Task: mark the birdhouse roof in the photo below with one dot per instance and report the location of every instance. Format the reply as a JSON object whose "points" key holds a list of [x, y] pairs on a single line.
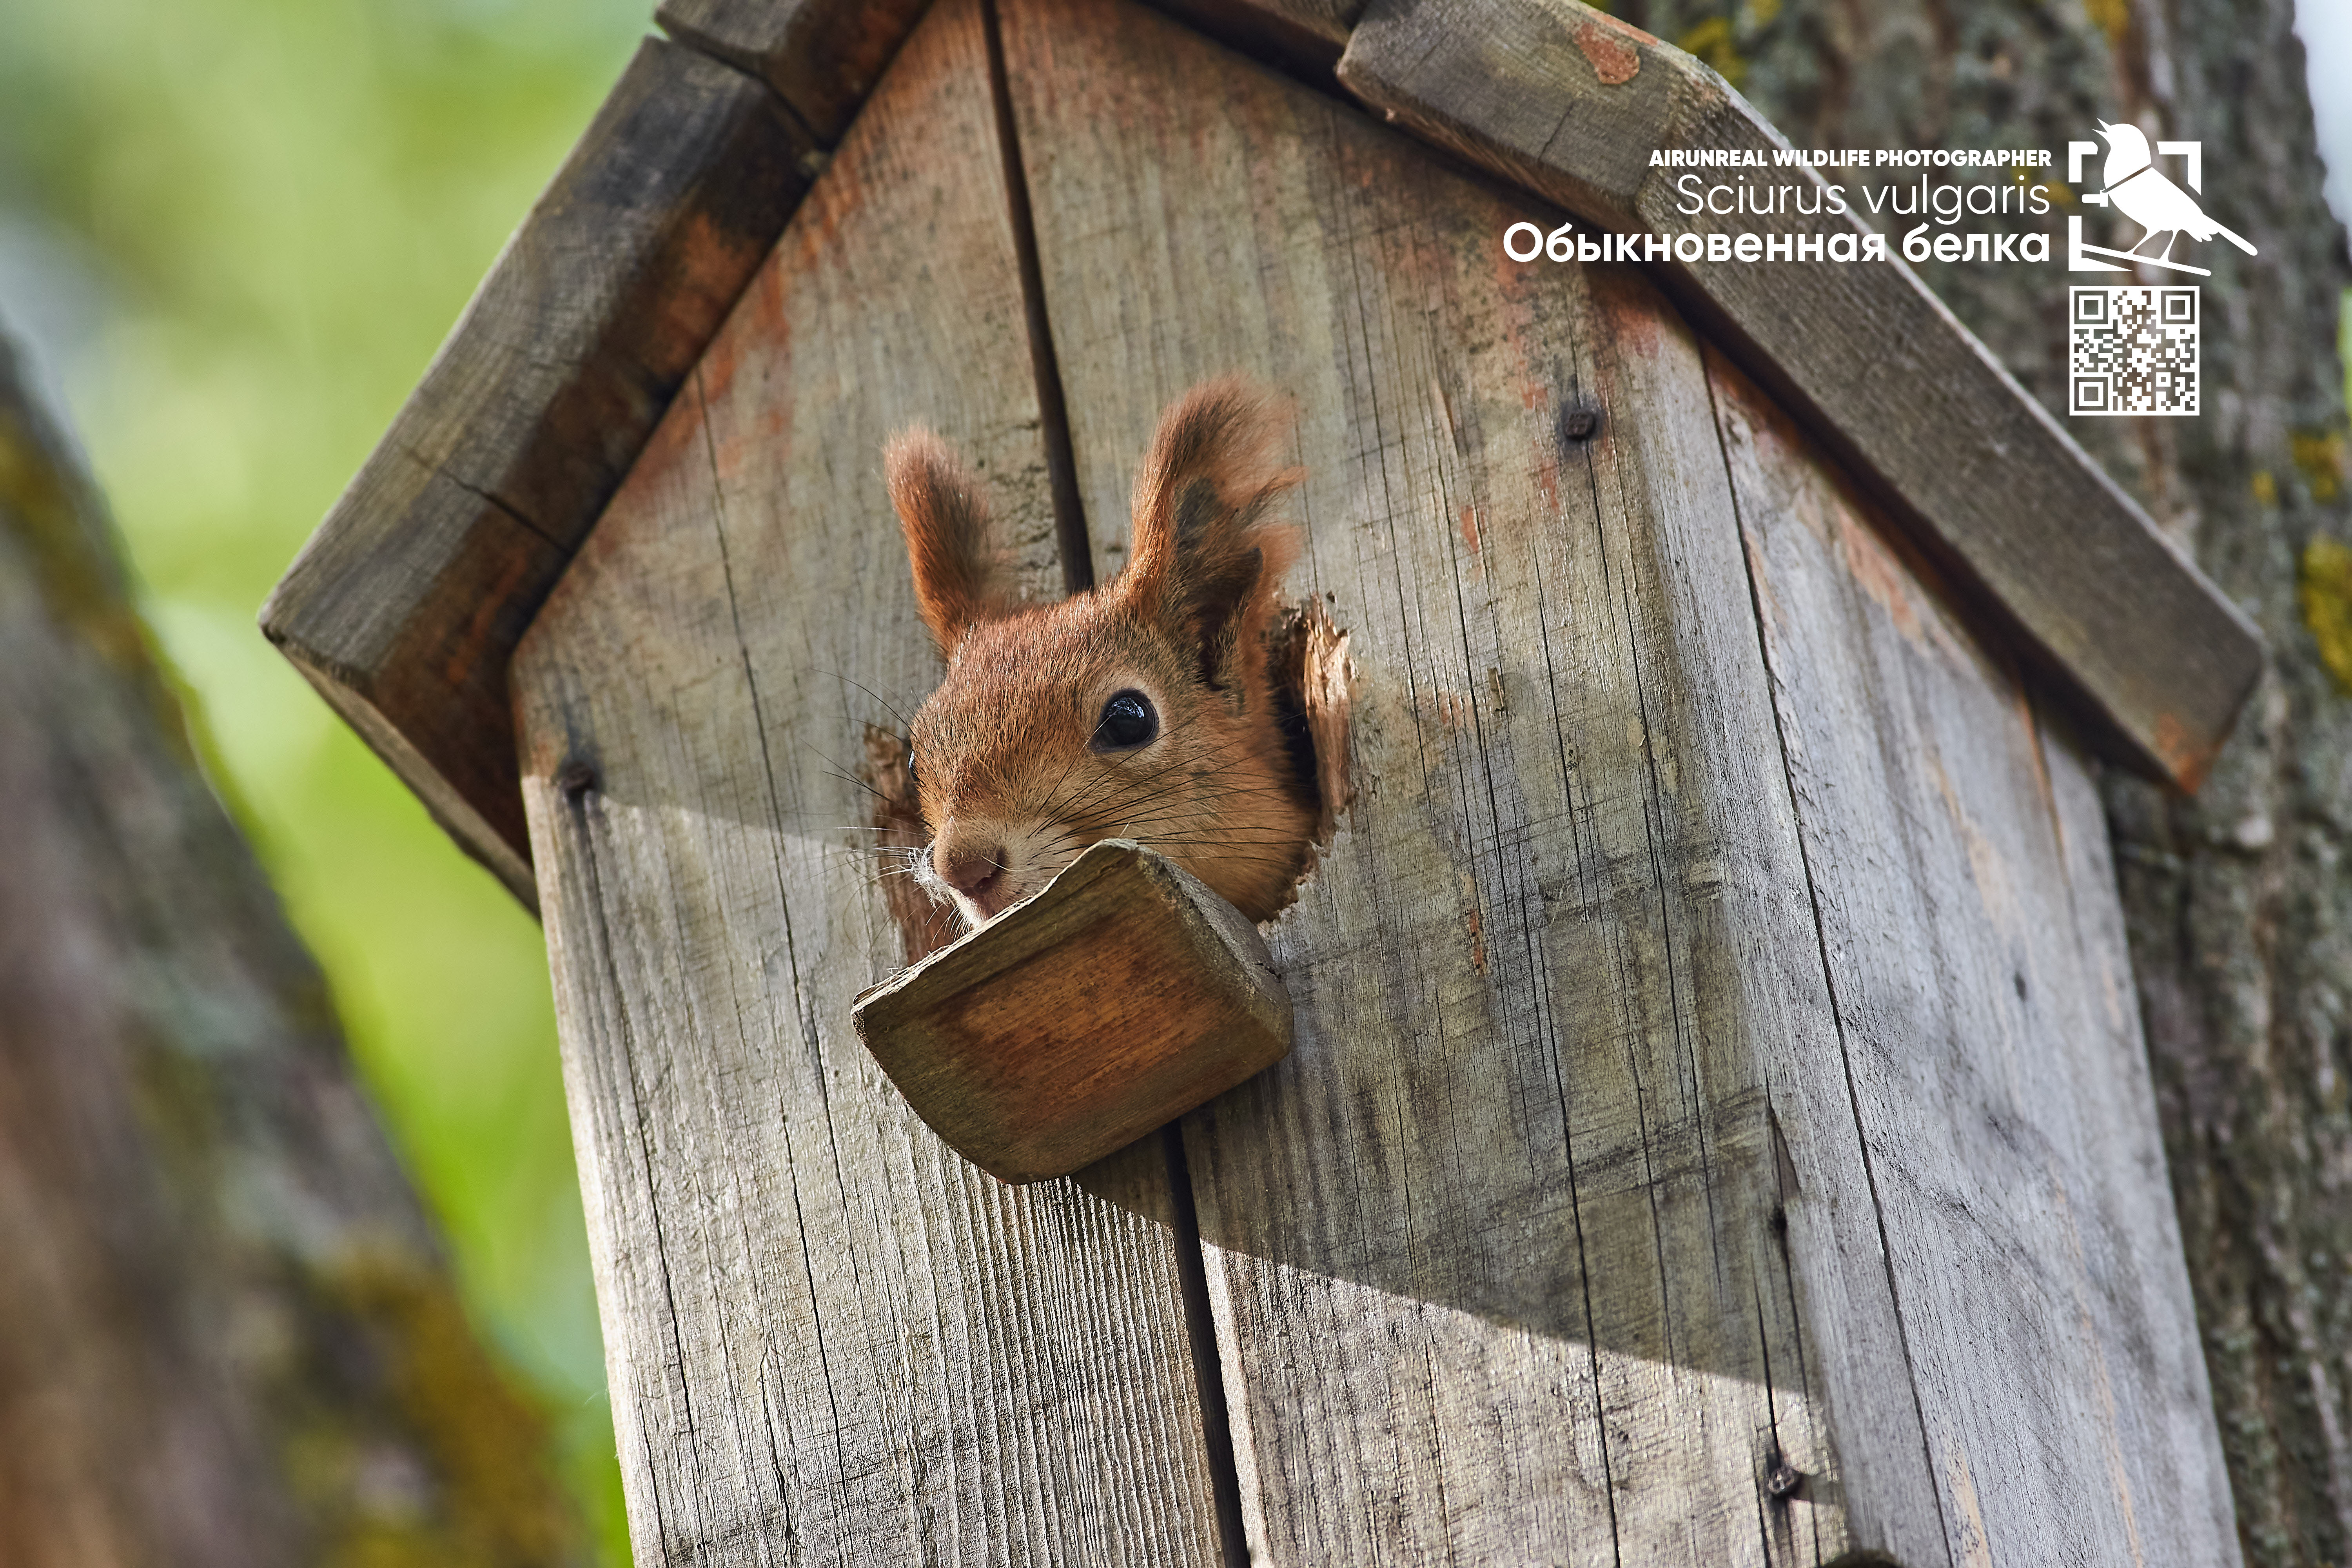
{"points": [[406, 606]]}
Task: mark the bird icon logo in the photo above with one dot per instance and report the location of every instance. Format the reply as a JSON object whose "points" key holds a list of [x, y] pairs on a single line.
{"points": [[2134, 186]]}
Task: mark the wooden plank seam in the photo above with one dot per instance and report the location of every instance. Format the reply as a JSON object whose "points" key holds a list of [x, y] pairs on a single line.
{"points": [[831, 1337], [1073, 540]]}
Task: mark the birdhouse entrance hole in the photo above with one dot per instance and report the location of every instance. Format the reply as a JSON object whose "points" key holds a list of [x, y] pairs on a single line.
{"points": [[1314, 683]]}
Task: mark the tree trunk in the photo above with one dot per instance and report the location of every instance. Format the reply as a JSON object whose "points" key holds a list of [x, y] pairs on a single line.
{"points": [[2239, 902], [226, 1335]]}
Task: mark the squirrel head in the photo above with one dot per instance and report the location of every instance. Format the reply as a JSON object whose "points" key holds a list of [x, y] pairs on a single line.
{"points": [[1143, 709]]}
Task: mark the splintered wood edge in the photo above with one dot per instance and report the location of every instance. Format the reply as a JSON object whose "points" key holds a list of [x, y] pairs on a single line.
{"points": [[1568, 103]]}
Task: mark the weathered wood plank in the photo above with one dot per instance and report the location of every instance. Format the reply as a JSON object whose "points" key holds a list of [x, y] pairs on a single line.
{"points": [[1968, 913], [2177, 1426], [1494, 1254], [1569, 103], [831, 1339], [406, 604], [823, 57]]}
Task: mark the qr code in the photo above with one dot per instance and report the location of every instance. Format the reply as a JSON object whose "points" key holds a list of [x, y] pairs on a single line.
{"points": [[2132, 350]]}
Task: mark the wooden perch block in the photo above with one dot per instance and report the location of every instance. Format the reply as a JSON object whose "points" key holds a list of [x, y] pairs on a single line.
{"points": [[1117, 999]]}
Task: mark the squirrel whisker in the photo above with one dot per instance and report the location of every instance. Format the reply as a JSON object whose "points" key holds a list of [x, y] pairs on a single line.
{"points": [[1143, 708]]}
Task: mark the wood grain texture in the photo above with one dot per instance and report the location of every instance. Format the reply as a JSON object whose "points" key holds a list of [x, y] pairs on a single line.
{"points": [[1569, 103], [1496, 1255], [1124, 995], [1968, 911], [1302, 35], [830, 1338], [405, 605], [823, 57]]}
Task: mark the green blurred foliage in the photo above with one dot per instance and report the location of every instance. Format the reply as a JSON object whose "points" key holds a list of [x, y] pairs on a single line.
{"points": [[280, 207]]}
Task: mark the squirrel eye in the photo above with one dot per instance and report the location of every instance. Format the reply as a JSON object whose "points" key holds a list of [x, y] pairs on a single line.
{"points": [[1128, 721]]}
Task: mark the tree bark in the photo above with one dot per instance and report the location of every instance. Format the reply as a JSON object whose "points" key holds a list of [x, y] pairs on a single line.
{"points": [[227, 1334], [2239, 902]]}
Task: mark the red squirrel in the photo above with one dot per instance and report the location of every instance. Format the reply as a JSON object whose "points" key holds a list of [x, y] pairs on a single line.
{"points": [[1141, 709]]}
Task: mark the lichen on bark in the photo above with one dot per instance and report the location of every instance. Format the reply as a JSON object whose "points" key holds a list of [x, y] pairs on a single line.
{"points": [[228, 1337]]}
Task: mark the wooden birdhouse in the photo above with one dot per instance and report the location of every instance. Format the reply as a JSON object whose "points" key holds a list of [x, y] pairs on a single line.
{"points": [[1716, 1128]]}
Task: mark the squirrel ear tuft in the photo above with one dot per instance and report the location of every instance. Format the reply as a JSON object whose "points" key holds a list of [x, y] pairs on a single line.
{"points": [[1208, 554], [958, 578]]}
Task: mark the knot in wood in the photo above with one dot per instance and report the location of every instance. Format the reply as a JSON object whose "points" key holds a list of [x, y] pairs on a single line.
{"points": [[575, 779]]}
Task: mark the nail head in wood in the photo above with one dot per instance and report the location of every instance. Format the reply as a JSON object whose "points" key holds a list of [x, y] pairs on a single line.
{"points": [[1121, 997]]}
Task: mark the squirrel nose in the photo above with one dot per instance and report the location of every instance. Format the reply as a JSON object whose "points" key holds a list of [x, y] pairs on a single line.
{"points": [[967, 867]]}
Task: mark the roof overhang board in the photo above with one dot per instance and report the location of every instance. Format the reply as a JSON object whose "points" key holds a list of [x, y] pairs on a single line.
{"points": [[1569, 103], [404, 607]]}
